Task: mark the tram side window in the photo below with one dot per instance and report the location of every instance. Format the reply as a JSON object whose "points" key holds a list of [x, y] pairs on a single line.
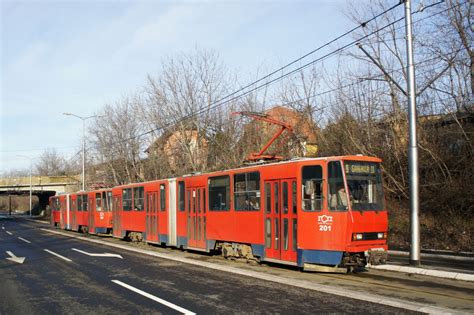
{"points": [[85, 203], [127, 199], [219, 193], [105, 205], [162, 197], [138, 200], [79, 203], [82, 203], [337, 200], [247, 191], [109, 201], [98, 202], [312, 188], [181, 191]]}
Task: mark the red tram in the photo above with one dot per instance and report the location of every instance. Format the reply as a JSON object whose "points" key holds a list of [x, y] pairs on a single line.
{"points": [[83, 211], [321, 214]]}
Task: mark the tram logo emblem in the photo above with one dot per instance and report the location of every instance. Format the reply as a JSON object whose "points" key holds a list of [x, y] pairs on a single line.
{"points": [[325, 219]]}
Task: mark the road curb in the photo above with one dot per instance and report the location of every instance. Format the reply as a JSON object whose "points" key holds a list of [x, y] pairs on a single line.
{"points": [[428, 255], [426, 272], [413, 306]]}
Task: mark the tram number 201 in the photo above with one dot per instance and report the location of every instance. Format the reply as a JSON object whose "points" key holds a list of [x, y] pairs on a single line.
{"points": [[325, 228]]}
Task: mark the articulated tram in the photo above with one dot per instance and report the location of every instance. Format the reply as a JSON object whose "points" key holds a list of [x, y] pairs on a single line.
{"points": [[321, 214]]}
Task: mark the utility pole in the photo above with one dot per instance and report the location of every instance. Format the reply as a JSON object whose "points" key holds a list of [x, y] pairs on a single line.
{"points": [[83, 144], [412, 146], [31, 181]]}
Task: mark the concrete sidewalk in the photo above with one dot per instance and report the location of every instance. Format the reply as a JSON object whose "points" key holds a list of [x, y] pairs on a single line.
{"points": [[426, 272]]}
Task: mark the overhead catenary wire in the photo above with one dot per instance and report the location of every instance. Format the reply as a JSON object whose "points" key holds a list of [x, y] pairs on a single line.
{"points": [[226, 100], [375, 77]]}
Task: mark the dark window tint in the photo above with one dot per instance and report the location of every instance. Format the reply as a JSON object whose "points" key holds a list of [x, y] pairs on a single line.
{"points": [[285, 197], [181, 194], [79, 202], [293, 198], [364, 182], [82, 202], [198, 200], [247, 191], [276, 196], [268, 233], [138, 199], [98, 202], [219, 193], [188, 195], [312, 179], [162, 197], [204, 202], [268, 198], [109, 200], [337, 193], [127, 199], [277, 234]]}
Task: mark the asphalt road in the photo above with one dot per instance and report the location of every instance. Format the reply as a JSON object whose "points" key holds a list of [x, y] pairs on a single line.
{"points": [[135, 283]]}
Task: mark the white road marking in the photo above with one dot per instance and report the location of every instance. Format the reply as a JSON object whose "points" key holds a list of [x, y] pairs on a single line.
{"points": [[374, 298], [57, 255], [12, 257], [26, 241], [154, 298], [9, 233], [98, 255]]}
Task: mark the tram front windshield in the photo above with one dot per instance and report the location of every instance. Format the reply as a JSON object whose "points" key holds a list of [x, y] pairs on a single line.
{"points": [[365, 185]]}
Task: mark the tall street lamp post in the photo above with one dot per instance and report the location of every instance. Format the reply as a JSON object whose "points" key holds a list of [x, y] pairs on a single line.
{"points": [[31, 183], [83, 144]]}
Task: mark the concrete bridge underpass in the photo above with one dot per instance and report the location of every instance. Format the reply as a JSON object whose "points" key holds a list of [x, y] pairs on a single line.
{"points": [[15, 191]]}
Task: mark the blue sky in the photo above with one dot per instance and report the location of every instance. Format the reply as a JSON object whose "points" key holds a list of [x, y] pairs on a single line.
{"points": [[75, 56]]}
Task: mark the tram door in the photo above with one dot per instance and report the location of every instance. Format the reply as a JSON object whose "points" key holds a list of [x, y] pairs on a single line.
{"points": [[92, 210], [116, 211], [152, 217], [62, 210], [280, 220], [196, 217], [74, 213], [66, 212]]}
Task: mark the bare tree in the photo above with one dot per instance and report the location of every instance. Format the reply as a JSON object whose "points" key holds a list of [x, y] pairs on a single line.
{"points": [[369, 112], [117, 143], [51, 163], [181, 106]]}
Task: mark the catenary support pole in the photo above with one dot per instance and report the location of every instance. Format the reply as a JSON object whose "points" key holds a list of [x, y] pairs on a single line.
{"points": [[83, 154], [412, 146], [31, 188]]}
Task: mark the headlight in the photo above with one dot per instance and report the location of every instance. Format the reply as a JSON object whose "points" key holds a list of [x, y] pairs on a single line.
{"points": [[382, 235], [357, 236]]}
